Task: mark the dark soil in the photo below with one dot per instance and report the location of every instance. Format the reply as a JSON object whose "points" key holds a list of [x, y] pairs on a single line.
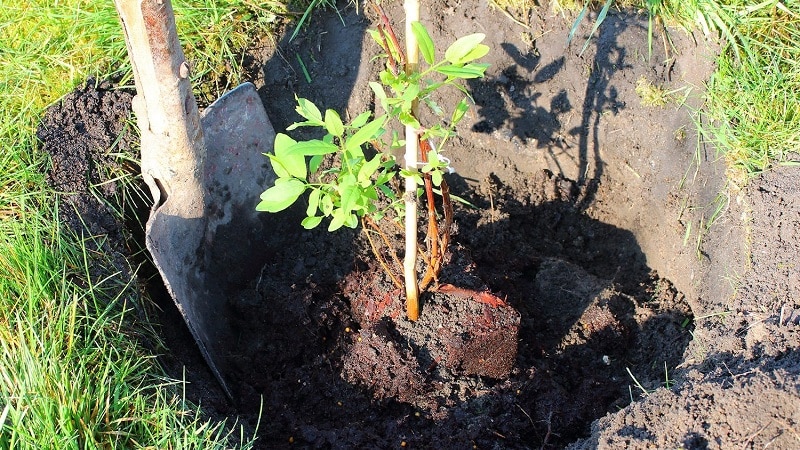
{"points": [[586, 310], [89, 143]]}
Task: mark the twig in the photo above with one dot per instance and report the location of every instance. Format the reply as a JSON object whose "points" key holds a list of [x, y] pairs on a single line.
{"points": [[447, 207], [513, 19], [753, 436], [789, 428], [526, 414], [549, 430]]}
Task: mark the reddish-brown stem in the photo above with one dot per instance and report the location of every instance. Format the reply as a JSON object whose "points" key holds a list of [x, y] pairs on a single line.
{"points": [[432, 238], [389, 58], [387, 27], [447, 207]]}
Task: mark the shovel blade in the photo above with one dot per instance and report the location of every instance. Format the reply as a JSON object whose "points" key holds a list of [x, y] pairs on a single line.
{"points": [[206, 261]]}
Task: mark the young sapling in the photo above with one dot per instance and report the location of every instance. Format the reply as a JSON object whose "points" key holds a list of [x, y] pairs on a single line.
{"points": [[357, 184]]}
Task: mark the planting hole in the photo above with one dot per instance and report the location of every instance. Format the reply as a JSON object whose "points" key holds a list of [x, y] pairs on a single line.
{"points": [[572, 280]]}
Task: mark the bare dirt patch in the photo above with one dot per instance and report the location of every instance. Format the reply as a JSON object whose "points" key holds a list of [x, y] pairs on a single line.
{"points": [[589, 205]]}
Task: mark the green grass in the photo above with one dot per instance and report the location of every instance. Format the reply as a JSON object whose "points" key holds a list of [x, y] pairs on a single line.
{"points": [[74, 374], [73, 370], [753, 99]]}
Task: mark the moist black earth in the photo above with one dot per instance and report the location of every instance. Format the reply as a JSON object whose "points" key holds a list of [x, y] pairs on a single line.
{"points": [[588, 205]]}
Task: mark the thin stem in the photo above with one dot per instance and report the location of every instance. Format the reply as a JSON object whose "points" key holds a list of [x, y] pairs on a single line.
{"points": [[447, 207], [432, 238], [387, 26]]}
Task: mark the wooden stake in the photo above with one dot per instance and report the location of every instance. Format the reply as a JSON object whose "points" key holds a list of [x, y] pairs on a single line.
{"points": [[412, 141]]}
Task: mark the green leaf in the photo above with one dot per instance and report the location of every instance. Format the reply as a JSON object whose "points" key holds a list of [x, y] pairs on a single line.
{"points": [[433, 157], [577, 22], [339, 218], [391, 161], [462, 47], [458, 199], [282, 142], [313, 202], [380, 94], [309, 111], [314, 163], [383, 39], [354, 155], [410, 93], [306, 123], [424, 40], [311, 222], [367, 132], [377, 37], [396, 141], [369, 197], [326, 205], [437, 131], [277, 167], [311, 148], [436, 177], [600, 18], [288, 166], [458, 113], [433, 106], [384, 177], [478, 52], [387, 78], [413, 175], [367, 169], [388, 192], [406, 118], [350, 194], [281, 196], [284, 163], [473, 70], [351, 221], [392, 47], [362, 118], [333, 123]]}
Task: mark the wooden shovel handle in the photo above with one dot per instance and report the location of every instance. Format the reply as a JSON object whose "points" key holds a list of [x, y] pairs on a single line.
{"points": [[166, 110]]}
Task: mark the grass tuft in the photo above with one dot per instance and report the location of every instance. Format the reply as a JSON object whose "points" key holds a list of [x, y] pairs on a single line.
{"points": [[313, 6], [754, 102], [651, 94], [214, 35]]}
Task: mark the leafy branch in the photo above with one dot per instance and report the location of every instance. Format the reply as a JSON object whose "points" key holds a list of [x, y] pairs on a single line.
{"points": [[359, 186]]}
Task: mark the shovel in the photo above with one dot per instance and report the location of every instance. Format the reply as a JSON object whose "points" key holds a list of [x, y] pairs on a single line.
{"points": [[205, 173]]}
